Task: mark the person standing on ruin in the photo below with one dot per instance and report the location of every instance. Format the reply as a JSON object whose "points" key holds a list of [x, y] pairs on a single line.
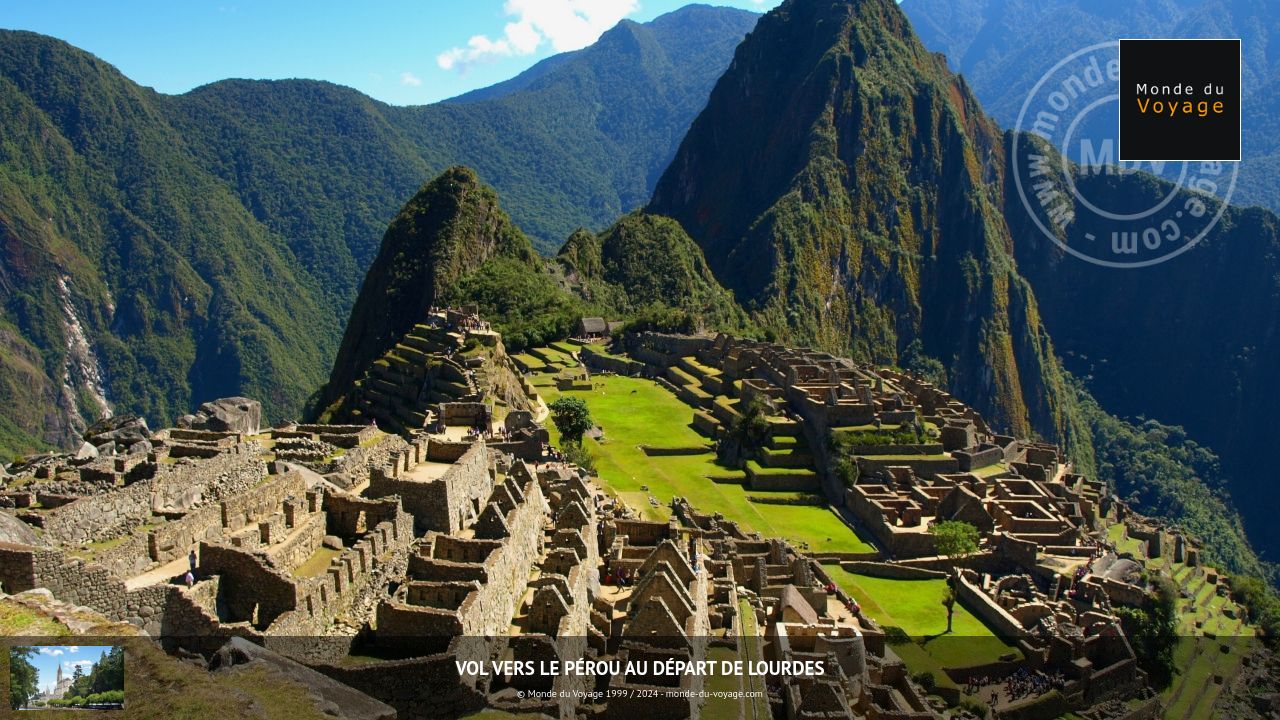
{"points": [[191, 558], [190, 579]]}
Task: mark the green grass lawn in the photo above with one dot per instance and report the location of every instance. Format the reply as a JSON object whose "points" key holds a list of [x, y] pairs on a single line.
{"points": [[634, 412], [532, 363], [1116, 534], [317, 564], [990, 470], [916, 607]]}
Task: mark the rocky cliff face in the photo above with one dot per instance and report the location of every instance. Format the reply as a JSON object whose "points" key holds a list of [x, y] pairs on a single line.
{"points": [[845, 185], [450, 227], [1194, 340]]}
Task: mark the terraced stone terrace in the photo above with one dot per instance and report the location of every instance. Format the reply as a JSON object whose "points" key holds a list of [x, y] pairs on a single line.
{"points": [[635, 412], [1214, 637], [916, 607]]}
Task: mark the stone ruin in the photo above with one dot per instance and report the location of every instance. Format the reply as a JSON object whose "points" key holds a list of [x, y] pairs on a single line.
{"points": [[454, 540]]}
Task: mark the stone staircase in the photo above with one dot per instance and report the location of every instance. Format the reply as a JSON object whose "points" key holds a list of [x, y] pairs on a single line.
{"points": [[422, 370]]}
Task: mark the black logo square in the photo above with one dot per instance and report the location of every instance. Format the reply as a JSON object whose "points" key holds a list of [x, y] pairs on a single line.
{"points": [[1179, 100]]}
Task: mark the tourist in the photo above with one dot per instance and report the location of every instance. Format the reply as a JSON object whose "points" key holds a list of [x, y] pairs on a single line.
{"points": [[191, 558], [189, 579]]}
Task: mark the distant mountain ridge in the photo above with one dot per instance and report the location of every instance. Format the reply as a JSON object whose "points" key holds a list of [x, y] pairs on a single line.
{"points": [[1194, 340], [1002, 47], [161, 250]]}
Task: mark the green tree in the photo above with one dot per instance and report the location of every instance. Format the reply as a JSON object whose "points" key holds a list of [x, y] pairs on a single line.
{"points": [[580, 456], [108, 674], [914, 359], [747, 432], [23, 678], [1153, 631], [955, 540], [572, 418], [79, 682]]}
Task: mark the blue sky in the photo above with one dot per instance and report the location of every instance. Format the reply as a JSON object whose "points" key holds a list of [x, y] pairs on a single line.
{"points": [[402, 51], [49, 657]]}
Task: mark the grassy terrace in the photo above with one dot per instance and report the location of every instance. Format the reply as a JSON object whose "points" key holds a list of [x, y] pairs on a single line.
{"points": [[916, 607], [635, 412], [1211, 643], [991, 470], [317, 564]]}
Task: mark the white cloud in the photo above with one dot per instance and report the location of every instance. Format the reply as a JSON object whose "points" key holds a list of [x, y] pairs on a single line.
{"points": [[71, 664], [565, 24], [50, 651], [408, 78]]}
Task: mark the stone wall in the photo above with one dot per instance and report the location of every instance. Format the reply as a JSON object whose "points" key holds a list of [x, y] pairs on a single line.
{"points": [[979, 458], [351, 516], [227, 473], [163, 610], [75, 581], [129, 558], [610, 363], [447, 452], [247, 508], [172, 540], [424, 688], [214, 520], [895, 543], [352, 579], [892, 571], [443, 504], [359, 461], [488, 608], [109, 515], [981, 605], [249, 589], [100, 517], [300, 545]]}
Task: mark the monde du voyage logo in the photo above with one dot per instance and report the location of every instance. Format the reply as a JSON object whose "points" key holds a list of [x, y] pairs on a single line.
{"points": [[1104, 115]]}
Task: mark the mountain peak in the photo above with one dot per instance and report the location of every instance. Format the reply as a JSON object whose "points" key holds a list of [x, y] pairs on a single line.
{"points": [[852, 210], [451, 225]]}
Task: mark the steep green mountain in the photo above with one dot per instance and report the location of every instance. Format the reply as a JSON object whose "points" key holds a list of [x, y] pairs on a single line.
{"points": [[131, 275], [854, 209], [159, 251], [645, 261], [866, 207], [452, 226], [452, 244], [1194, 340], [1004, 46], [1161, 470]]}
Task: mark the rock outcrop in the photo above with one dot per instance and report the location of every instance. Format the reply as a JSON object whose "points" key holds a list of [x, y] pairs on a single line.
{"points": [[232, 414], [116, 435], [332, 697]]}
